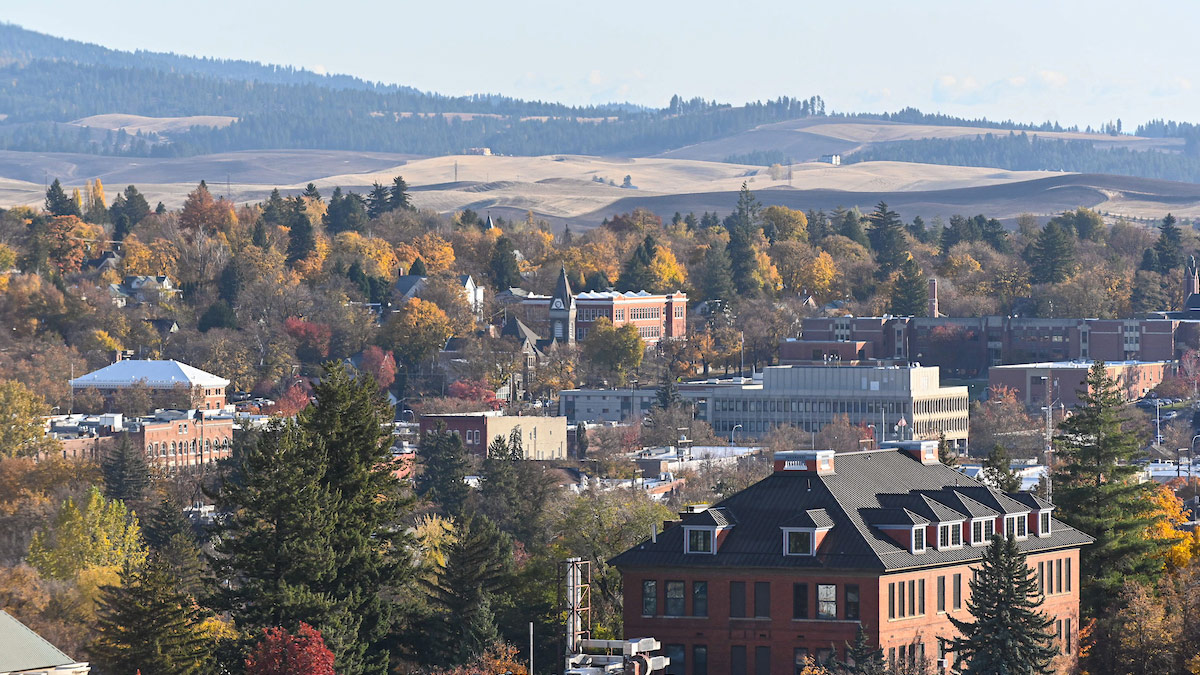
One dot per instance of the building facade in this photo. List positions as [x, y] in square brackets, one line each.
[541, 437]
[171, 439]
[810, 397]
[164, 379]
[1068, 379]
[791, 567]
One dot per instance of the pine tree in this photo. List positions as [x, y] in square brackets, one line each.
[582, 442]
[311, 192]
[910, 294]
[861, 658]
[398, 198]
[346, 213]
[148, 624]
[946, 453]
[1097, 490]
[350, 422]
[505, 271]
[851, 228]
[1169, 246]
[378, 201]
[500, 490]
[443, 470]
[743, 263]
[998, 472]
[302, 238]
[1010, 635]
[274, 211]
[716, 275]
[59, 203]
[597, 281]
[126, 472]
[1053, 255]
[135, 208]
[887, 240]
[668, 394]
[636, 274]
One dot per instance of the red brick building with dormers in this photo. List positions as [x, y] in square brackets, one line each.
[791, 567]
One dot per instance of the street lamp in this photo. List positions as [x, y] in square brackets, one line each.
[733, 431]
[873, 436]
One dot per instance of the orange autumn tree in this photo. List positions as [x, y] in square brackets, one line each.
[416, 332]
[1170, 528]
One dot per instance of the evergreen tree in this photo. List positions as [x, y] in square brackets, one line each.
[1052, 257]
[500, 490]
[444, 470]
[998, 472]
[716, 275]
[946, 453]
[273, 558]
[582, 442]
[465, 593]
[861, 658]
[910, 294]
[302, 238]
[887, 240]
[743, 263]
[126, 472]
[161, 208]
[230, 284]
[851, 227]
[597, 281]
[147, 624]
[1010, 635]
[917, 229]
[636, 274]
[668, 394]
[59, 203]
[165, 521]
[218, 315]
[1149, 261]
[506, 273]
[274, 211]
[350, 423]
[130, 204]
[398, 197]
[311, 192]
[121, 227]
[378, 201]
[1169, 246]
[1097, 490]
[259, 237]
[346, 213]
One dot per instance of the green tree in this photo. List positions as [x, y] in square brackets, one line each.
[218, 315]
[910, 294]
[59, 203]
[346, 213]
[1097, 490]
[715, 276]
[171, 537]
[147, 624]
[418, 268]
[442, 479]
[862, 658]
[500, 491]
[23, 434]
[636, 274]
[302, 237]
[998, 472]
[126, 473]
[378, 201]
[888, 240]
[946, 453]
[101, 533]
[311, 192]
[619, 350]
[742, 253]
[1169, 246]
[1052, 257]
[505, 271]
[399, 199]
[132, 205]
[1009, 635]
[582, 442]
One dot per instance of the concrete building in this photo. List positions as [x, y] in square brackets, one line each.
[809, 397]
[165, 379]
[541, 437]
[1067, 379]
[793, 566]
[596, 406]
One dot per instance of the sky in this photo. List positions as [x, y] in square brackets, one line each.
[1083, 63]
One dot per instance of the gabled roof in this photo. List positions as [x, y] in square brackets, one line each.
[717, 517]
[858, 498]
[515, 328]
[1031, 500]
[154, 374]
[22, 649]
[407, 285]
[812, 518]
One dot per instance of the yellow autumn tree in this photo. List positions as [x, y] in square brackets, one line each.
[135, 256]
[376, 256]
[435, 252]
[99, 533]
[416, 332]
[784, 224]
[667, 273]
[1170, 528]
[164, 257]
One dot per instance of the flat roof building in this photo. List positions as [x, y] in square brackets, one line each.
[1067, 379]
[541, 437]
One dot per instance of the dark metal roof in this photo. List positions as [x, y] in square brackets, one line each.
[852, 499]
[718, 517]
[812, 518]
[1033, 501]
[408, 284]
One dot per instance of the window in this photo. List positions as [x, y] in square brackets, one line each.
[941, 594]
[699, 540]
[956, 534]
[900, 595]
[737, 599]
[1041, 581]
[799, 660]
[921, 597]
[674, 601]
[957, 592]
[799, 542]
[737, 660]
[1044, 524]
[891, 601]
[1010, 527]
[699, 598]
[1068, 575]
[762, 661]
[826, 601]
[976, 531]
[675, 654]
[762, 598]
[649, 597]
[1058, 576]
[699, 659]
[918, 540]
[800, 601]
[1022, 523]
[989, 529]
[851, 601]
[1067, 632]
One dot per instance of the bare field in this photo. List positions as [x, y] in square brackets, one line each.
[158, 125]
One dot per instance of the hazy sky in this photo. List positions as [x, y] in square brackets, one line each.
[1077, 62]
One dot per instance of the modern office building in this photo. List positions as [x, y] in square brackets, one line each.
[793, 566]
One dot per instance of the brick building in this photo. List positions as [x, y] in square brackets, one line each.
[165, 380]
[793, 565]
[171, 439]
[1067, 379]
[541, 437]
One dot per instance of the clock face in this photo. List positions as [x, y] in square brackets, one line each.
[557, 304]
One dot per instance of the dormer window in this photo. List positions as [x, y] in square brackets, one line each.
[949, 535]
[1016, 526]
[699, 540]
[982, 530]
[798, 542]
[1043, 523]
[918, 539]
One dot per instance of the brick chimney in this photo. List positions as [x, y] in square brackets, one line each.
[933, 299]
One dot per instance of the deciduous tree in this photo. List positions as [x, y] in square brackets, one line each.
[279, 652]
[98, 533]
[416, 332]
[22, 434]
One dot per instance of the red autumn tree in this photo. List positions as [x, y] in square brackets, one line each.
[279, 652]
[474, 390]
[380, 365]
[295, 399]
[312, 338]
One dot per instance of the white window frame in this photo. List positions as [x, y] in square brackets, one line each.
[1020, 525]
[812, 542]
[712, 540]
[1048, 515]
[913, 540]
[951, 529]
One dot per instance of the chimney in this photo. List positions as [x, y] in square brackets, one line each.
[805, 462]
[933, 299]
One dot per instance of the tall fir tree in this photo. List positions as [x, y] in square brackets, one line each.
[850, 226]
[1052, 256]
[998, 472]
[59, 203]
[743, 263]
[862, 658]
[378, 201]
[350, 422]
[888, 240]
[716, 275]
[500, 493]
[1169, 246]
[302, 237]
[443, 470]
[910, 294]
[311, 192]
[1009, 634]
[126, 472]
[147, 624]
[636, 274]
[506, 273]
[398, 197]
